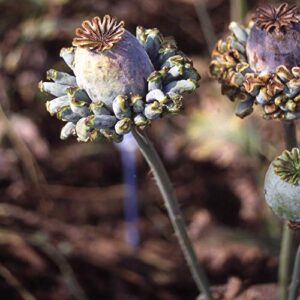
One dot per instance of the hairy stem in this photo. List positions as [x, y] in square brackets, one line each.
[175, 214]
[286, 250]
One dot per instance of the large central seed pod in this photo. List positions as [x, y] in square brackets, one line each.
[274, 39]
[109, 61]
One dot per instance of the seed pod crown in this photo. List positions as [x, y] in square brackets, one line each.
[276, 19]
[99, 34]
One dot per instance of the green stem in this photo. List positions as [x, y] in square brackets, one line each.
[175, 214]
[286, 250]
[285, 261]
[289, 130]
[296, 278]
[238, 10]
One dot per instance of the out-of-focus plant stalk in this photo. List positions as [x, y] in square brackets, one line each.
[286, 250]
[31, 168]
[296, 278]
[172, 206]
[25, 156]
[206, 24]
[238, 10]
[40, 240]
[15, 283]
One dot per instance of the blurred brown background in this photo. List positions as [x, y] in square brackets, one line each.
[61, 202]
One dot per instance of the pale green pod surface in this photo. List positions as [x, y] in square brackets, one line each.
[155, 81]
[137, 103]
[282, 197]
[123, 126]
[174, 73]
[180, 87]
[68, 130]
[140, 120]
[78, 94]
[80, 107]
[83, 130]
[67, 54]
[153, 43]
[55, 105]
[175, 60]
[53, 88]
[165, 53]
[239, 33]
[155, 95]
[66, 114]
[61, 77]
[153, 110]
[102, 122]
[190, 72]
[98, 108]
[121, 107]
[282, 188]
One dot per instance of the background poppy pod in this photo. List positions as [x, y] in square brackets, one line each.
[274, 39]
[260, 64]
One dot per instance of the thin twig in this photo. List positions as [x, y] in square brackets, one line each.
[65, 268]
[31, 169]
[40, 241]
[15, 283]
[175, 214]
[24, 153]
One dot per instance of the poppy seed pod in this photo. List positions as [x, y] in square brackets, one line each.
[274, 39]
[109, 61]
[119, 80]
[260, 64]
[282, 186]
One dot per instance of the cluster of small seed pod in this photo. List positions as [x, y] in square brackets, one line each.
[89, 120]
[277, 92]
